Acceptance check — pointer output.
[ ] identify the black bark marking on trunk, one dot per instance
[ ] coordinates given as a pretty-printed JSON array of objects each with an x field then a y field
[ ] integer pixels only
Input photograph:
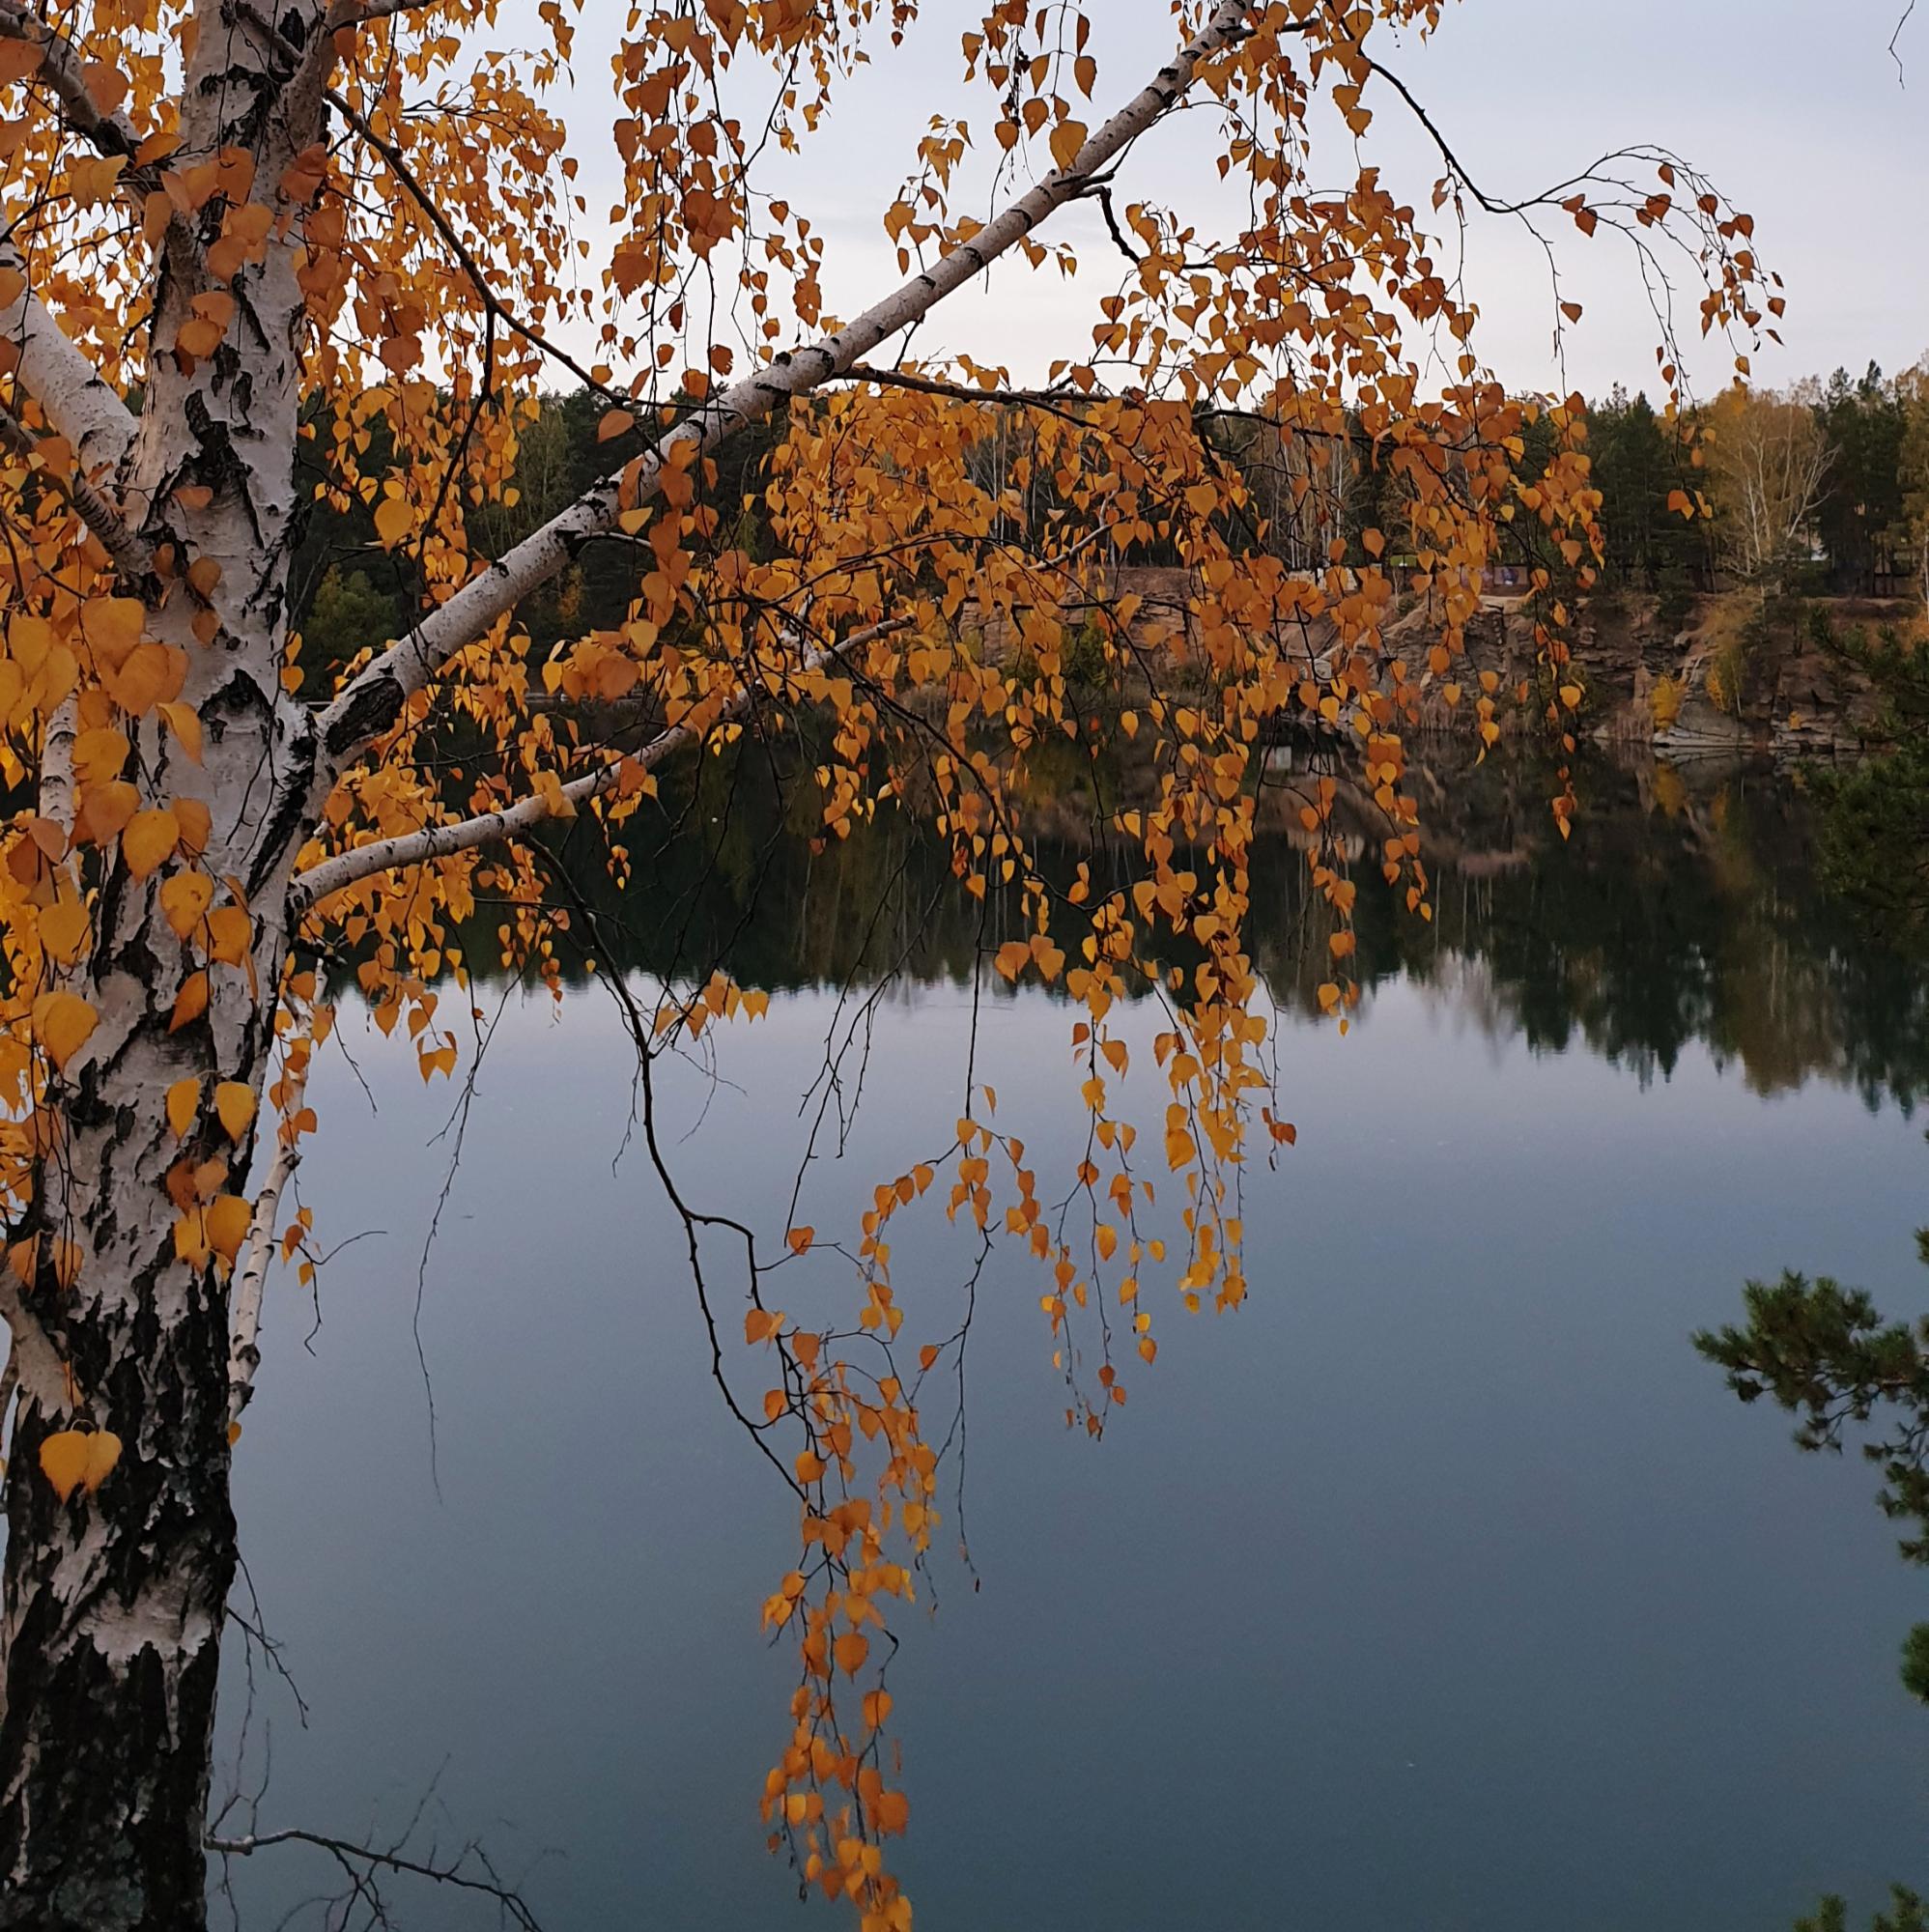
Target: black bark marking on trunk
[
  {"x": 287, "y": 813},
  {"x": 106, "y": 1756}
]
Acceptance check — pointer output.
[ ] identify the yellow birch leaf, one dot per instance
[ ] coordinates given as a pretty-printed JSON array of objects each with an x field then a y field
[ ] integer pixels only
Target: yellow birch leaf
[
  {"x": 229, "y": 931},
  {"x": 103, "y": 1451},
  {"x": 65, "y": 930},
  {"x": 190, "y": 1239},
  {"x": 153, "y": 675},
  {"x": 235, "y": 1104},
  {"x": 106, "y": 810},
  {"x": 190, "y": 1003},
  {"x": 183, "y": 1102},
  {"x": 99, "y": 754},
  {"x": 63, "y": 1023},
  {"x": 64, "y": 1459},
  {"x": 196, "y": 823},
  {"x": 112, "y": 627},
  {"x": 183, "y": 900},
  {"x": 1067, "y": 138},
  {"x": 393, "y": 521},
  {"x": 228, "y": 1219},
  {"x": 184, "y": 722},
  {"x": 149, "y": 840}
]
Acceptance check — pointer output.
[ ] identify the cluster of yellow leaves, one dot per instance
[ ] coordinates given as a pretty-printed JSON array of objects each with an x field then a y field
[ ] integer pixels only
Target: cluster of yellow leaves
[{"x": 78, "y": 1459}]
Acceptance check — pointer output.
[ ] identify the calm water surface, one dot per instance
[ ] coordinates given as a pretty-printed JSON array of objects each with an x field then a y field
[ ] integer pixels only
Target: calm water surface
[{"x": 1441, "y": 1587}]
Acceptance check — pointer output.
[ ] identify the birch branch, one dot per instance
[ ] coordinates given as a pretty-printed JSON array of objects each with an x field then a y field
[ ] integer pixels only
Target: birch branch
[
  {"x": 56, "y": 800},
  {"x": 132, "y": 557},
  {"x": 49, "y": 366},
  {"x": 34, "y": 1360},
  {"x": 372, "y": 700},
  {"x": 63, "y": 70},
  {"x": 244, "y": 1296},
  {"x": 437, "y": 842}
]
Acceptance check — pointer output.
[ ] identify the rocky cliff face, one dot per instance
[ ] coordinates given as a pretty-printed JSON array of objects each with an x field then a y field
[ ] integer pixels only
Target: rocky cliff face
[
  {"x": 1736, "y": 679},
  {"x": 1727, "y": 676}
]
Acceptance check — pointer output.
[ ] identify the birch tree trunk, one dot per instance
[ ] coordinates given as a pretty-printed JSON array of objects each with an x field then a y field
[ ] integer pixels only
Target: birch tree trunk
[{"x": 114, "y": 1601}]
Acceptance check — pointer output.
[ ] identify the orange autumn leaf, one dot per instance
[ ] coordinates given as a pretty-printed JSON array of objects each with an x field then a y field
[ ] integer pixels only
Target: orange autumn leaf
[
  {"x": 149, "y": 840},
  {"x": 393, "y": 521},
  {"x": 228, "y": 1217},
  {"x": 190, "y": 1003},
  {"x": 63, "y": 1024},
  {"x": 66, "y": 931},
  {"x": 234, "y": 1107},
  {"x": 184, "y": 899},
  {"x": 74, "y": 1458}
]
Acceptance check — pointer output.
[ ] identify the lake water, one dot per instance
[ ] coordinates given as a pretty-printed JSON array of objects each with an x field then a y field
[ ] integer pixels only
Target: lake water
[{"x": 1442, "y": 1586}]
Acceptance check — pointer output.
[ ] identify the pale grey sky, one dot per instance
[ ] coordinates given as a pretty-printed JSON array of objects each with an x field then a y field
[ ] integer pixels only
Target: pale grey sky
[{"x": 1795, "y": 106}]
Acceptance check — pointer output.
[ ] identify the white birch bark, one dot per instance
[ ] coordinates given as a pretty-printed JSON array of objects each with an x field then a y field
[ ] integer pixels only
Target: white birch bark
[{"x": 52, "y": 369}]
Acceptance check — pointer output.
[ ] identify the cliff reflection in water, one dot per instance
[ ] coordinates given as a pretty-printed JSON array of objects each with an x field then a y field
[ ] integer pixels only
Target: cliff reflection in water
[{"x": 1683, "y": 909}]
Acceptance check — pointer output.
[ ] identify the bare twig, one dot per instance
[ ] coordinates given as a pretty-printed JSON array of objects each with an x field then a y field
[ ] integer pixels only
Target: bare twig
[{"x": 361, "y": 1861}]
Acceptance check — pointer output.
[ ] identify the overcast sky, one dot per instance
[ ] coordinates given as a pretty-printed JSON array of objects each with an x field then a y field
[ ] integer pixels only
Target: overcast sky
[{"x": 1796, "y": 107}]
